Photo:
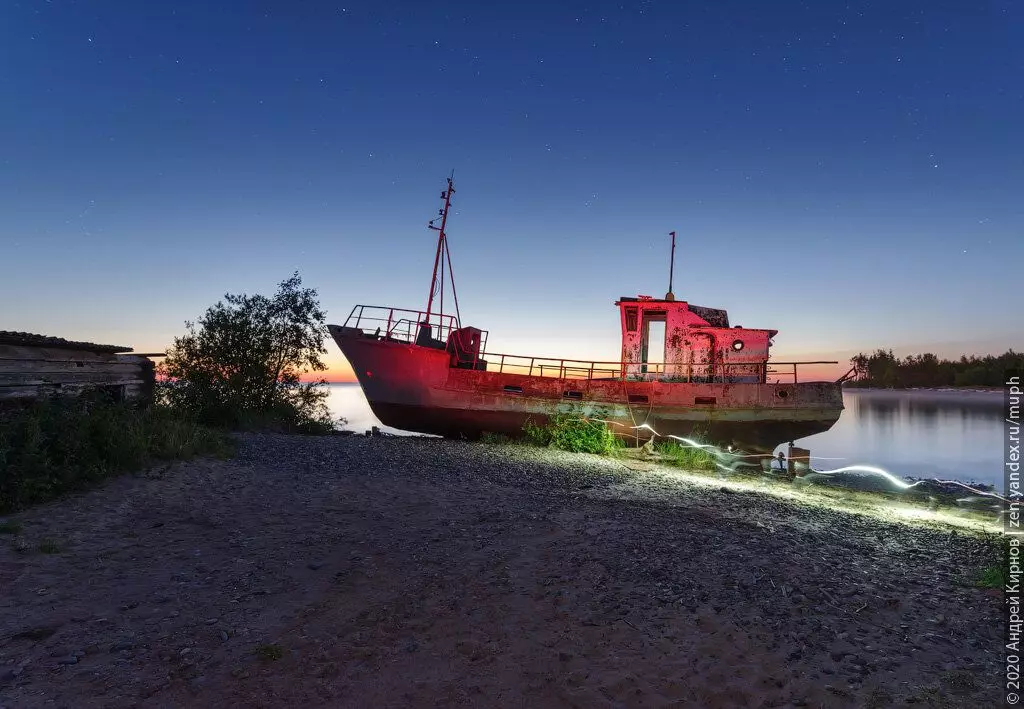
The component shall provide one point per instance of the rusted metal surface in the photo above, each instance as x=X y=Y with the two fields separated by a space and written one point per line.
x=416 y=388
x=438 y=377
x=699 y=344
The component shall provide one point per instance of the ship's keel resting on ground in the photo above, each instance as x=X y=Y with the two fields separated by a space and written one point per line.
x=683 y=370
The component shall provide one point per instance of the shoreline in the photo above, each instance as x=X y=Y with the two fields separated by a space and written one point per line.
x=927 y=390
x=353 y=571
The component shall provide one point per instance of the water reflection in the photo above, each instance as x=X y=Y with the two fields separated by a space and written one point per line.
x=347 y=401
x=947 y=434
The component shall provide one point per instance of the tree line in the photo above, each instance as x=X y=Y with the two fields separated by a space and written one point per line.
x=883 y=369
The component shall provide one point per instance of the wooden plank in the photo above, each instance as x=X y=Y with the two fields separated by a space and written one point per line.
x=36 y=379
x=35 y=392
x=11 y=366
x=11 y=350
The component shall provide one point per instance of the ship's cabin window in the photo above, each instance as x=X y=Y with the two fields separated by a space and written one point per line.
x=737 y=345
x=631 y=319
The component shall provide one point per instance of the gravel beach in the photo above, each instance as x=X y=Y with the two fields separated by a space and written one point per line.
x=407 y=572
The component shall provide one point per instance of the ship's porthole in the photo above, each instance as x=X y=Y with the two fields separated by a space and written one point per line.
x=782 y=393
x=737 y=345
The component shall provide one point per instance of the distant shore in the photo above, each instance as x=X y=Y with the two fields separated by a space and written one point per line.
x=962 y=394
x=977 y=389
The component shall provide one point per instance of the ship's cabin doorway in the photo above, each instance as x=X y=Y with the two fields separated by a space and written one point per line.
x=652 y=343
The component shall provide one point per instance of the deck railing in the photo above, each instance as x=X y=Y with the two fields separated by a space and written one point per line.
x=645 y=371
x=403 y=325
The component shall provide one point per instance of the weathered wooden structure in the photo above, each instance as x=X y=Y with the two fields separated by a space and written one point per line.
x=33 y=366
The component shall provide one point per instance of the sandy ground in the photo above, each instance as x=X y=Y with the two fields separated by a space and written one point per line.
x=358 y=572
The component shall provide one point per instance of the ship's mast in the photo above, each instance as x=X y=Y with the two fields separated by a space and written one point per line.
x=442 y=247
x=671 y=267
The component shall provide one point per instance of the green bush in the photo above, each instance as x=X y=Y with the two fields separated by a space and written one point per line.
x=62 y=444
x=535 y=434
x=687 y=457
x=572 y=433
x=242 y=364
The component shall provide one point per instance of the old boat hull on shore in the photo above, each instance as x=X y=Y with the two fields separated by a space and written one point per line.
x=684 y=369
x=414 y=388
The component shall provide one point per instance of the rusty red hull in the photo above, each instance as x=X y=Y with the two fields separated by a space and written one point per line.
x=414 y=388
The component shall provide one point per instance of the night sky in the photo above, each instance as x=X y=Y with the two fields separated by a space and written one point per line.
x=851 y=174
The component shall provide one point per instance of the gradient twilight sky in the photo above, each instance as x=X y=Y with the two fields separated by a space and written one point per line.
x=849 y=173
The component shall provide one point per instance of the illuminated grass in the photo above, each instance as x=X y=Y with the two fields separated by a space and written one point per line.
x=686 y=457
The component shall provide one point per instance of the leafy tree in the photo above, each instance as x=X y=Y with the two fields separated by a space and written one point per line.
x=926 y=370
x=240 y=365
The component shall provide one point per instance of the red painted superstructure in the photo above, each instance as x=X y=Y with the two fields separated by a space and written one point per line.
x=425 y=372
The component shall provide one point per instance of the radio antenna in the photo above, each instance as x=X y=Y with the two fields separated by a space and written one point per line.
x=671 y=267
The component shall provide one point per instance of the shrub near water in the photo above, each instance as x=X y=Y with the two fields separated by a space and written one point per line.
x=241 y=365
x=687 y=457
x=572 y=433
x=59 y=445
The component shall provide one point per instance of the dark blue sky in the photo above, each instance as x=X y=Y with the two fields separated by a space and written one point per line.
x=848 y=173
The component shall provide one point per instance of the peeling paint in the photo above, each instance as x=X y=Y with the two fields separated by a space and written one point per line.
x=713 y=379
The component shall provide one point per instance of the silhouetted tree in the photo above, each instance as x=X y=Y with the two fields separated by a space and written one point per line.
x=241 y=365
x=883 y=369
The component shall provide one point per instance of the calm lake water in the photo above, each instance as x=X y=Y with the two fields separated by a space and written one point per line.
x=942 y=434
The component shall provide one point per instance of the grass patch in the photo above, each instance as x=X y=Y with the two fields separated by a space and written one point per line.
x=573 y=433
x=270 y=653
x=9 y=527
x=687 y=457
x=991 y=577
x=65 y=444
x=49 y=546
x=994 y=575
x=489 y=437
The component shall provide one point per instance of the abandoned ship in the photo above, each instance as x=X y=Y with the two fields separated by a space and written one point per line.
x=423 y=371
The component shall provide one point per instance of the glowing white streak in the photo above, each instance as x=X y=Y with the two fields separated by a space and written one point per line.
x=692 y=443
x=605 y=421
x=718 y=452
x=873 y=471
x=968 y=487
x=901 y=484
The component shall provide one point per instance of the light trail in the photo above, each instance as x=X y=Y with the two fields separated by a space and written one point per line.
x=901 y=484
x=869 y=469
